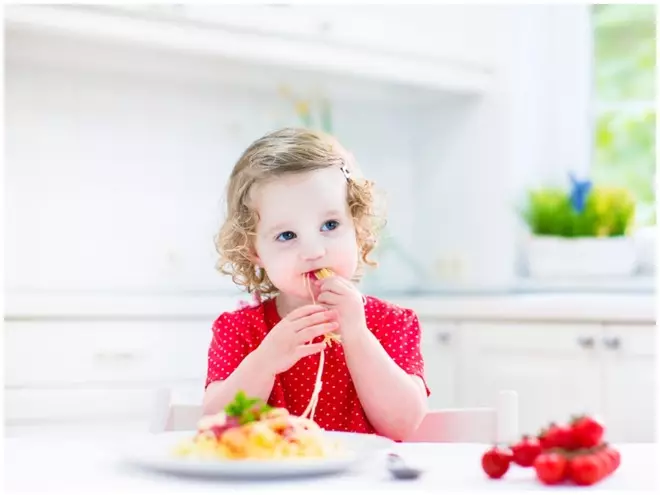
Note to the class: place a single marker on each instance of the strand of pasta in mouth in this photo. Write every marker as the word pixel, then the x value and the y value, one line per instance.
pixel 328 339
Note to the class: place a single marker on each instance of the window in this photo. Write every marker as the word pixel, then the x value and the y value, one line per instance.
pixel 624 78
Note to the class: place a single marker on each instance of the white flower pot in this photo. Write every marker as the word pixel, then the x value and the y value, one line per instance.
pixel 555 257
pixel 645 240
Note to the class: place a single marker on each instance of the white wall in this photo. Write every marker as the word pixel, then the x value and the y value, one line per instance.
pixel 115 180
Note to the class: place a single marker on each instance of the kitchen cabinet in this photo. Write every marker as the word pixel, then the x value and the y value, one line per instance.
pixel 77 374
pixel 435 49
pixel 557 369
pixel 440 344
pixel 75 353
pixel 458 34
pixel 629 381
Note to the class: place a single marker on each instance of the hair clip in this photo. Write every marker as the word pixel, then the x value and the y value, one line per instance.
pixel 346 172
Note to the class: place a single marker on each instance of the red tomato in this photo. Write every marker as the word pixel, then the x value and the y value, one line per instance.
pixel 495 461
pixel 606 463
pixel 526 450
pixel 550 468
pixel 587 431
pixel 585 469
pixel 557 435
pixel 614 456
pixel 218 430
pixel 617 458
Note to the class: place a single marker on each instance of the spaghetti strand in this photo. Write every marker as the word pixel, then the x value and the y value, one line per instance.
pixel 328 339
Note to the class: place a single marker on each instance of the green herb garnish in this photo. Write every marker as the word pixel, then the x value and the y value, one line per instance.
pixel 246 409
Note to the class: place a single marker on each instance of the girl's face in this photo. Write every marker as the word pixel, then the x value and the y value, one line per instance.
pixel 304 225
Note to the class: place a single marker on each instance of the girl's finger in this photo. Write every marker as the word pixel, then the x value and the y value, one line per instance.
pixel 313 319
pixel 333 285
pixel 309 349
pixel 329 298
pixel 303 311
pixel 309 334
pixel 347 283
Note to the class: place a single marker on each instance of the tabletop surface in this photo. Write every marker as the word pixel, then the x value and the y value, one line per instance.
pixel 53 463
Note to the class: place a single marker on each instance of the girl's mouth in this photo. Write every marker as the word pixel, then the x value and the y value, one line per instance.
pixel 322 273
pixel 313 274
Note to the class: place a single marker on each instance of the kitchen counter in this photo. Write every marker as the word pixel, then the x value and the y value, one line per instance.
pixel 538 306
pixel 559 307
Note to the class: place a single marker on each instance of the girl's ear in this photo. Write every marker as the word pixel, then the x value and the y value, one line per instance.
pixel 254 258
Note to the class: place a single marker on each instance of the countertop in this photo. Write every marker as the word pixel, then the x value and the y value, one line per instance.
pixel 634 308
pixel 92 464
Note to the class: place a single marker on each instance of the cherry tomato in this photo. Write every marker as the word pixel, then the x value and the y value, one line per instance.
pixel 614 456
pixel 585 469
pixel 495 461
pixel 218 430
pixel 587 431
pixel 550 467
pixel 604 461
pixel 617 458
pixel 526 450
pixel 557 435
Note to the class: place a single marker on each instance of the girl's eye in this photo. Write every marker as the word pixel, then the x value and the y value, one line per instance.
pixel 330 225
pixel 286 236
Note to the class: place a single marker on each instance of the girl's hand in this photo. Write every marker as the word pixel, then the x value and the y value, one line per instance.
pixel 341 295
pixel 288 341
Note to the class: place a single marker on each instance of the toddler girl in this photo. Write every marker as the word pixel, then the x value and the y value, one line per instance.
pixel 296 205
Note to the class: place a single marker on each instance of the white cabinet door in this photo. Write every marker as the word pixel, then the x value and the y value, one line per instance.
pixel 440 351
pixel 99 372
pixel 46 354
pixel 630 386
pixel 555 368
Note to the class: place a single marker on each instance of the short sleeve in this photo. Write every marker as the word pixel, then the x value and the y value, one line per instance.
pixel 402 341
pixel 229 346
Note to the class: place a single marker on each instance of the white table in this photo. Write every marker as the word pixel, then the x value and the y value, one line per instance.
pixel 73 464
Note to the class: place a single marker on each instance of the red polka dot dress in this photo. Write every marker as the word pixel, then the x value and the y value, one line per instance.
pixel 237 333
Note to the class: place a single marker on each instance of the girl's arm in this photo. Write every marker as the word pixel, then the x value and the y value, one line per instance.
pixel 255 373
pixel 250 376
pixel 394 401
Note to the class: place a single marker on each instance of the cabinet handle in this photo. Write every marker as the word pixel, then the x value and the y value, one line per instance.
pixel 612 342
pixel 586 342
pixel 116 356
pixel 444 337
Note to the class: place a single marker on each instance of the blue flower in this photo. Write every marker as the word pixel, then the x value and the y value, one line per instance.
pixel 579 193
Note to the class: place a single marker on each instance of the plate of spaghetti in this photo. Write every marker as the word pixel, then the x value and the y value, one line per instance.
pixel 249 439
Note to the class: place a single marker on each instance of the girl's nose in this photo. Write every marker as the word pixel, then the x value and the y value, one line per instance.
pixel 312 251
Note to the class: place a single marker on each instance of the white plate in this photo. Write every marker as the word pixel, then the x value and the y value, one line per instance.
pixel 155 452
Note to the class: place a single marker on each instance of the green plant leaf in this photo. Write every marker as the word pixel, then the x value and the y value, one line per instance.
pixel 247 409
pixel 609 212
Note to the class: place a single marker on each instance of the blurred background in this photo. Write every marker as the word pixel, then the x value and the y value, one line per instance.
pixel 515 146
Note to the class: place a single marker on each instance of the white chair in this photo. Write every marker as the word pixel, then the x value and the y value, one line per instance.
pixel 472 425
pixel 469 425
pixel 174 415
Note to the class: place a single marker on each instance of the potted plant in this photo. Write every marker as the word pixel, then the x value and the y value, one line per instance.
pixel 582 231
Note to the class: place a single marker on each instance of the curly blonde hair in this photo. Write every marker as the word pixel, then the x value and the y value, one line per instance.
pixel 287 151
